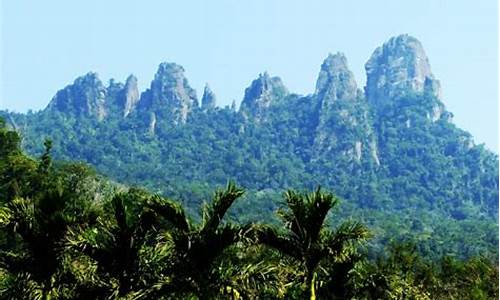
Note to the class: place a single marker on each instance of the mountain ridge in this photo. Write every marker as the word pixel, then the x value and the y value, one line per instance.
pixel 390 148
pixel 432 84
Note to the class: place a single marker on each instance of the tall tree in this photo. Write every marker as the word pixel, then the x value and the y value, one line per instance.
pixel 197 247
pixel 119 243
pixel 306 237
pixel 34 227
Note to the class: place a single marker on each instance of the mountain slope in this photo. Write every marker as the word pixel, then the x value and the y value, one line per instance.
pixel 391 150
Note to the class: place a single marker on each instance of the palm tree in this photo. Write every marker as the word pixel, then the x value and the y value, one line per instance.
pixel 16 169
pixel 120 243
pixel 306 238
pixel 33 226
pixel 36 228
pixel 195 248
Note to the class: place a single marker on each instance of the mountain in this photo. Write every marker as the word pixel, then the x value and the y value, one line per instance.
pixel 264 92
pixel 84 98
pixel 208 100
pixel 390 150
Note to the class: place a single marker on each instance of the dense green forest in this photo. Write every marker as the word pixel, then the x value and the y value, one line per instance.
pixel 67 233
pixel 391 152
pixel 341 194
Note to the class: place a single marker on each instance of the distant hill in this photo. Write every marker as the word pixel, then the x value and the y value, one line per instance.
pixel 390 150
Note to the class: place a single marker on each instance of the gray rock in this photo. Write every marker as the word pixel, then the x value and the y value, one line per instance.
pixel 152 123
pixel 340 112
pixel 208 100
pixel 397 68
pixel 170 97
pixel 131 95
pixel 335 80
pixel 85 97
pixel 262 93
pixel 114 97
pixel 357 149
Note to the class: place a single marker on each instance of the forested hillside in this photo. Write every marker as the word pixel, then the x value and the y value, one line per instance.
pixel 66 233
pixel 390 151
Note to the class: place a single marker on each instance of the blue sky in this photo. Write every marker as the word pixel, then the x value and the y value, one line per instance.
pixel 45 45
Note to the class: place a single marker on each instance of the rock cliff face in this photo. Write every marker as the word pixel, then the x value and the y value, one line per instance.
pixel 114 98
pixel 390 146
pixel 130 95
pixel 340 111
pixel 208 100
pixel 261 94
pixel 398 68
pixel 335 80
pixel 84 98
pixel 170 97
pixel 343 122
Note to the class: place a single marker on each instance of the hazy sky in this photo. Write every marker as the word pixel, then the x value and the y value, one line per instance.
pixel 45 45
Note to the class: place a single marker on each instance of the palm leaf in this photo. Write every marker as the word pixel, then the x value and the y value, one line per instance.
pixel 170 211
pixel 319 204
pixel 271 237
pixel 346 233
pixel 120 211
pixel 307 213
pixel 215 211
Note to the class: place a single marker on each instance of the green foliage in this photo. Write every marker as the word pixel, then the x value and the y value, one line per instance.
pixel 196 248
pixel 33 228
pixel 307 238
pixel 402 273
pixel 411 167
pixel 66 233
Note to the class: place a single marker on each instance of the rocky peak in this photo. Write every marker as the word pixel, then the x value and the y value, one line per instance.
pixel 262 93
pixel 208 100
pixel 398 67
pixel 342 126
pixel 131 95
pixel 335 80
pixel 85 97
pixel 170 97
pixel 114 86
pixel 114 95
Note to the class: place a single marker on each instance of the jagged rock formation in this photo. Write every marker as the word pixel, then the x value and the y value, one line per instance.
pixel 131 95
pixel 391 143
pixel 170 97
pixel 261 94
pixel 85 97
pixel 208 100
pixel 397 68
pixel 114 99
pixel 335 80
pixel 152 123
pixel 343 123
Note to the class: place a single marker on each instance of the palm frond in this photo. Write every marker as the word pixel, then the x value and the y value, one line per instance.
pixel 208 247
pixel 319 204
pixel 18 215
pixel 120 211
pixel 271 237
pixel 92 241
pixel 346 233
pixel 170 211
pixel 19 286
pixel 229 234
pixel 297 215
pixel 222 201
pixel 14 261
pixel 307 213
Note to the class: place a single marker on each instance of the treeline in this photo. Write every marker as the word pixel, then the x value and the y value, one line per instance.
pixel 65 233
pixel 432 185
